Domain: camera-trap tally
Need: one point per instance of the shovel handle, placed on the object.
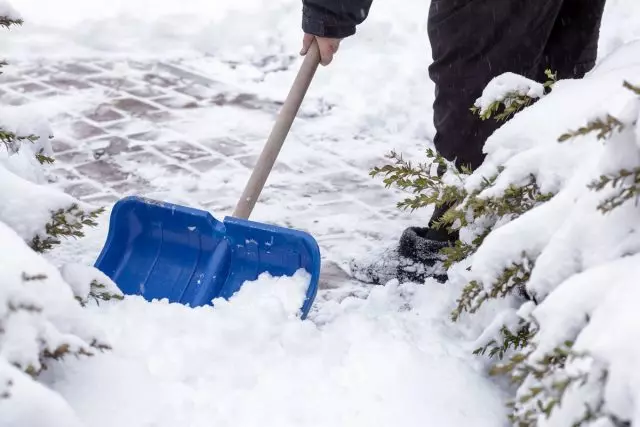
(278, 133)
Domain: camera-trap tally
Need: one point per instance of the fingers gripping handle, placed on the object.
(278, 134)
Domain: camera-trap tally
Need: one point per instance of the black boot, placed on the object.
(416, 257)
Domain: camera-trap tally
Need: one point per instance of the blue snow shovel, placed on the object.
(161, 250)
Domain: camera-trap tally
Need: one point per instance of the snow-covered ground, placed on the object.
(384, 356)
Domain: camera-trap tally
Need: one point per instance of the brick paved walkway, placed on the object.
(160, 130)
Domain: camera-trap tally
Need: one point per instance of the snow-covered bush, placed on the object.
(41, 314)
(549, 244)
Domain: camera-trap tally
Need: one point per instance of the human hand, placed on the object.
(328, 47)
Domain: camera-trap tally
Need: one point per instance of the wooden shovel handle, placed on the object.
(278, 133)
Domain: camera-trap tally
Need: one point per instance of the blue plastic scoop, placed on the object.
(161, 250)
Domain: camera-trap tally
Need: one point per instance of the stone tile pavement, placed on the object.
(129, 142)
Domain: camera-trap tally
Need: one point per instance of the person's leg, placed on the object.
(572, 48)
(472, 42)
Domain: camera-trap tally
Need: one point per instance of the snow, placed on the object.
(384, 360)
(505, 86)
(586, 260)
(37, 306)
(38, 315)
(82, 278)
(28, 403)
(8, 11)
(366, 356)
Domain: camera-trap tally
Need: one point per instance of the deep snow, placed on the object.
(390, 359)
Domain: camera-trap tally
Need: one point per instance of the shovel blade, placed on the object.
(162, 250)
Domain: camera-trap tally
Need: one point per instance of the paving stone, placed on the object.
(37, 72)
(29, 87)
(134, 107)
(131, 186)
(178, 170)
(347, 181)
(181, 150)
(61, 175)
(74, 157)
(141, 66)
(159, 117)
(251, 160)
(103, 171)
(67, 83)
(146, 91)
(112, 146)
(10, 78)
(106, 153)
(77, 69)
(313, 189)
(9, 98)
(117, 83)
(59, 145)
(103, 114)
(151, 135)
(145, 158)
(309, 191)
(244, 100)
(176, 102)
(49, 94)
(226, 146)
(163, 80)
(208, 164)
(197, 91)
(81, 189)
(83, 130)
(339, 207)
(378, 197)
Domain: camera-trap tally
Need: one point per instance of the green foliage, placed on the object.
(605, 127)
(65, 223)
(513, 102)
(633, 88)
(543, 383)
(627, 186)
(12, 141)
(7, 22)
(517, 340)
(99, 293)
(552, 78)
(44, 159)
(547, 382)
(427, 188)
(626, 182)
(512, 278)
(515, 201)
(46, 353)
(548, 379)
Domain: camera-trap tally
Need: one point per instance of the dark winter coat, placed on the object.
(333, 18)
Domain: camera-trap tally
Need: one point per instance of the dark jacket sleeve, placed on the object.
(333, 18)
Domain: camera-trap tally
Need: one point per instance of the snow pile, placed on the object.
(382, 358)
(41, 321)
(575, 256)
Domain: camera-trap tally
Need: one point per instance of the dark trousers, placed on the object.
(474, 41)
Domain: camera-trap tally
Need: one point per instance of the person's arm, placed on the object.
(334, 19)
(329, 21)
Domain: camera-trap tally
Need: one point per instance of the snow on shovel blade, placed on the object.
(161, 250)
